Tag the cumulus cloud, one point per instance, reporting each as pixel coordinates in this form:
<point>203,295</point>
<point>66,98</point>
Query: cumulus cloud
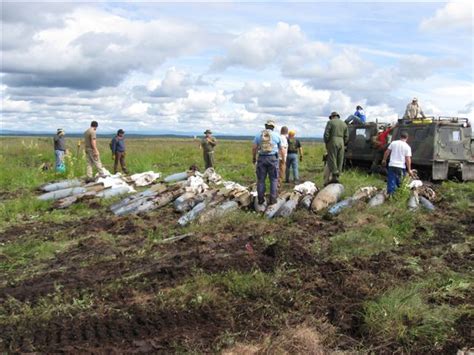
<point>94,48</point>
<point>260,46</point>
<point>455,14</point>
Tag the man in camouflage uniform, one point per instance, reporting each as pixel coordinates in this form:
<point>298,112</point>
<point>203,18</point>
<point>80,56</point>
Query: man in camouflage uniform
<point>336,135</point>
<point>207,144</point>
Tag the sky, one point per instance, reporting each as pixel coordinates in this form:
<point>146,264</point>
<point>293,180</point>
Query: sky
<point>183,67</point>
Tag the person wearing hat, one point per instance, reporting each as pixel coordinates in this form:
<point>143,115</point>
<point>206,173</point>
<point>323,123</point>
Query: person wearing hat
<point>92,152</point>
<point>336,135</point>
<point>267,145</point>
<point>358,117</point>
<point>208,144</point>
<point>117,145</point>
<point>294,147</point>
<point>59,149</point>
<point>413,111</point>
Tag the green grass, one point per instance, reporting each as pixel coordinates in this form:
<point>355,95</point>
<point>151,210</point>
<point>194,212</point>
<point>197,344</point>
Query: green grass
<point>212,289</point>
<point>377,230</point>
<point>17,254</point>
<point>57,304</point>
<point>412,313</point>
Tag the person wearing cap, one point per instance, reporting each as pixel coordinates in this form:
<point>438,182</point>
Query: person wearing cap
<point>358,117</point>
<point>413,111</point>
<point>336,135</point>
<point>59,149</point>
<point>92,152</point>
<point>117,145</point>
<point>294,147</point>
<point>267,145</point>
<point>208,143</point>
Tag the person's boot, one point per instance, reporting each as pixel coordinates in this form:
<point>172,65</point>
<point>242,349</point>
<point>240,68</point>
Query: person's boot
<point>272,201</point>
<point>335,179</point>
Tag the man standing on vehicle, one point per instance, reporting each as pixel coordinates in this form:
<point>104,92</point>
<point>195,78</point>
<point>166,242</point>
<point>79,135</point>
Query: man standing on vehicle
<point>413,110</point>
<point>59,150</point>
<point>400,162</point>
<point>118,151</point>
<point>336,135</point>
<point>207,144</point>
<point>92,153</point>
<point>268,146</point>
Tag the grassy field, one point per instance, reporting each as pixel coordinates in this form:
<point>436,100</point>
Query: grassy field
<point>369,280</point>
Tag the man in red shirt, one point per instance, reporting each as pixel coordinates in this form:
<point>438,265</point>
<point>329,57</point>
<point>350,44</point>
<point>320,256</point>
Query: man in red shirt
<point>380,143</point>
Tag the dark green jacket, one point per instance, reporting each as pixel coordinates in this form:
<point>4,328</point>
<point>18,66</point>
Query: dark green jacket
<point>336,131</point>
<point>208,145</point>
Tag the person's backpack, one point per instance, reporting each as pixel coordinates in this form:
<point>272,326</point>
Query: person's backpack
<point>266,144</point>
<point>292,145</point>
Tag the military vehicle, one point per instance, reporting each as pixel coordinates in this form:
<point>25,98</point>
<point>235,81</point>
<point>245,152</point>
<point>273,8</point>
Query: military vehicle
<point>442,147</point>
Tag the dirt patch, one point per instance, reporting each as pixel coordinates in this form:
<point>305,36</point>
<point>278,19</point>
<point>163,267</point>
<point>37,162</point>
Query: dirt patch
<point>311,288</point>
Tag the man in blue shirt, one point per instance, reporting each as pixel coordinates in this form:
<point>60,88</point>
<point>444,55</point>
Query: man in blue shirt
<point>358,117</point>
<point>118,151</point>
<point>268,146</point>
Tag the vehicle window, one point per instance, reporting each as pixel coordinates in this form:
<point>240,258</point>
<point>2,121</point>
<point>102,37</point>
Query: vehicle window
<point>363,132</point>
<point>456,136</point>
<point>450,135</point>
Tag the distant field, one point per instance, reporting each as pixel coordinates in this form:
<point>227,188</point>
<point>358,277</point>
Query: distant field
<point>379,280</point>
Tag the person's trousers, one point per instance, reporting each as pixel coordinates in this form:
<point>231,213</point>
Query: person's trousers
<point>292,163</point>
<point>59,154</point>
<point>267,165</point>
<point>209,159</point>
<point>92,162</point>
<point>335,159</point>
<point>394,179</point>
<point>282,167</point>
<point>327,176</point>
<point>353,119</point>
<point>120,158</point>
<point>376,166</point>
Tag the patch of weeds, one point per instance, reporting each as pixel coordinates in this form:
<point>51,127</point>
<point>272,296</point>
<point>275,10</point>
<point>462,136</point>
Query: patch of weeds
<point>408,316</point>
<point>269,240</point>
<point>460,196</point>
<point>369,240</point>
<point>19,254</point>
<point>14,210</point>
<point>247,285</point>
<point>59,304</point>
<point>195,293</point>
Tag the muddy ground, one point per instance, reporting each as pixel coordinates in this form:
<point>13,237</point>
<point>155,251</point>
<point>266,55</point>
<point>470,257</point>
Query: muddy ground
<point>126,275</point>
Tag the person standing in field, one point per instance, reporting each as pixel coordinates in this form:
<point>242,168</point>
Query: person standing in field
<point>117,145</point>
<point>336,135</point>
<point>267,145</point>
<point>294,147</point>
<point>60,150</point>
<point>92,152</point>
<point>283,156</point>
<point>400,162</point>
<point>208,144</point>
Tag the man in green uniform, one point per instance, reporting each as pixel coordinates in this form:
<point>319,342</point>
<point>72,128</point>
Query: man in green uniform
<point>336,136</point>
<point>207,144</point>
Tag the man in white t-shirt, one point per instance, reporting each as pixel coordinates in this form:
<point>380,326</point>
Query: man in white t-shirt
<point>400,162</point>
<point>284,153</point>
